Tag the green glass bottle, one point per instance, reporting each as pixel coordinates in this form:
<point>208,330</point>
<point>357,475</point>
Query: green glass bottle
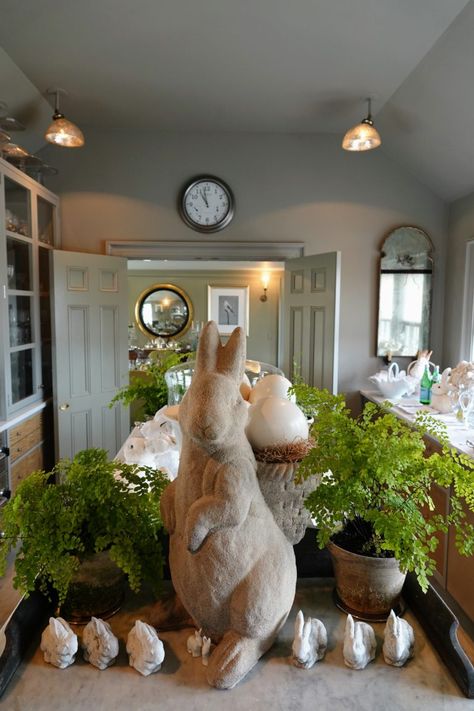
<point>425,387</point>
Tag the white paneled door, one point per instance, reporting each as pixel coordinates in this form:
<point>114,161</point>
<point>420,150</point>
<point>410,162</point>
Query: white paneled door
<point>310,319</point>
<point>91,354</point>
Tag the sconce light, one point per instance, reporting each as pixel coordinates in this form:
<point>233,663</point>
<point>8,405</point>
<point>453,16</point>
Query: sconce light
<point>62,132</point>
<point>265,283</point>
<point>364,136</point>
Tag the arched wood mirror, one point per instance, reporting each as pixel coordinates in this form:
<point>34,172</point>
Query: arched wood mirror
<point>405,289</point>
<point>163,311</point>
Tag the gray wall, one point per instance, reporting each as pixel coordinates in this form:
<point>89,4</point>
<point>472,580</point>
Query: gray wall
<point>124,186</point>
<point>461,231</point>
<point>262,343</point>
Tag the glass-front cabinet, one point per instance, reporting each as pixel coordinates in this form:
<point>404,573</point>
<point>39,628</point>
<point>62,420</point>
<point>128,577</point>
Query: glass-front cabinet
<point>28,232</point>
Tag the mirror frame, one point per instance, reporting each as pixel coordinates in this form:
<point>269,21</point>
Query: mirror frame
<point>430,253</point>
<point>158,287</point>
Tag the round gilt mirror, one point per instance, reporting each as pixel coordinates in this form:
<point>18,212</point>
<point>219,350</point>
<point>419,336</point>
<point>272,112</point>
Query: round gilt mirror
<point>163,311</point>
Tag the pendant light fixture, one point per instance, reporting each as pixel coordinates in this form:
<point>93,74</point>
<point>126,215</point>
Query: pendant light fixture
<point>62,132</point>
<point>364,136</point>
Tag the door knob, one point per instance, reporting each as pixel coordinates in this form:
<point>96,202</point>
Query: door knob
<point>64,407</point>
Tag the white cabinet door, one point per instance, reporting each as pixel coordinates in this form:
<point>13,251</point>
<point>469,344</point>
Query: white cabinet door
<point>90,296</point>
<point>310,319</point>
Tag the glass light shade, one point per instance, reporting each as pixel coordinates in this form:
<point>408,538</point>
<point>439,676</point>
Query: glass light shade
<point>12,150</point>
<point>363,137</point>
<point>64,133</point>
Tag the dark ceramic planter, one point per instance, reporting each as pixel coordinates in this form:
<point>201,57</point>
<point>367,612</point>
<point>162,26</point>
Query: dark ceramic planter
<point>97,589</point>
<point>367,588</point>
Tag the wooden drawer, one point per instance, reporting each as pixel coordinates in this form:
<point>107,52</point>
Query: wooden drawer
<point>25,428</point>
<point>27,442</point>
<point>26,466</point>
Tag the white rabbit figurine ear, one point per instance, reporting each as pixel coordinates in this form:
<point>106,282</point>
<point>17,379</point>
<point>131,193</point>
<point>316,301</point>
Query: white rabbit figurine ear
<point>398,641</point>
<point>206,650</point>
<point>59,643</point>
<point>299,623</point>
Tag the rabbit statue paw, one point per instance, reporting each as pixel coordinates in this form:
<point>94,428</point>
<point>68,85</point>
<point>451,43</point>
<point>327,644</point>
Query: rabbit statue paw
<point>359,644</point>
<point>101,646</point>
<point>398,641</point>
<point>145,649</point>
<point>310,642</point>
<point>59,643</point>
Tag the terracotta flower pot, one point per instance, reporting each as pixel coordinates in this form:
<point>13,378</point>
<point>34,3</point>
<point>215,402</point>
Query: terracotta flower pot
<point>366,587</point>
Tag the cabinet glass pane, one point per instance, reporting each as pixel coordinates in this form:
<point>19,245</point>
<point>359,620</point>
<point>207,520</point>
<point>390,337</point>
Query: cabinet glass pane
<point>21,375</point>
<point>19,320</point>
<point>45,221</point>
<point>18,265</point>
<point>17,208</point>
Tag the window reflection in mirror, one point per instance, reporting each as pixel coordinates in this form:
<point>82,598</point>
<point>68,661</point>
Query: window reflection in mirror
<point>163,311</point>
<point>406,270</point>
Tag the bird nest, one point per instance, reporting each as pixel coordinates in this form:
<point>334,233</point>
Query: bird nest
<point>284,453</point>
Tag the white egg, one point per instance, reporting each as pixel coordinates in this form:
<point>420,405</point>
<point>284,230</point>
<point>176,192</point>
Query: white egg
<point>271,385</point>
<point>274,421</point>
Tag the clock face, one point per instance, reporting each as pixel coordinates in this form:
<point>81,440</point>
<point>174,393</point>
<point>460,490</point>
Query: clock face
<point>207,204</point>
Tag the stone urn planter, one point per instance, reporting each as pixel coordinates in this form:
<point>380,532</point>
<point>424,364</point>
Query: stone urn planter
<point>366,587</point>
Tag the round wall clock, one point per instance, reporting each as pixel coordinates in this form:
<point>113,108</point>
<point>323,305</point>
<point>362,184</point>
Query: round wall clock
<point>206,204</point>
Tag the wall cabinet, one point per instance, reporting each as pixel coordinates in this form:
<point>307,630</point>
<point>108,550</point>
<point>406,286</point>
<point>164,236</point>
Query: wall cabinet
<point>29,229</point>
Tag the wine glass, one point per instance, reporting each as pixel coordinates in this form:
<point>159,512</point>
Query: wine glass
<point>466,403</point>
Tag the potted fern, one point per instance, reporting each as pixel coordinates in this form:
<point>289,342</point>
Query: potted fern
<point>79,536</point>
<point>373,507</point>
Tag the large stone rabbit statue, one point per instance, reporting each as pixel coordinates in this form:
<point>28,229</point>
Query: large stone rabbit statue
<point>231,565</point>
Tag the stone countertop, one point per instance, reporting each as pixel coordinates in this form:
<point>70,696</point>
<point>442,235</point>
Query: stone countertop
<point>424,683</point>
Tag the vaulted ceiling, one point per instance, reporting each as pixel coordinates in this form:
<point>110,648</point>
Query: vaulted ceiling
<point>303,66</point>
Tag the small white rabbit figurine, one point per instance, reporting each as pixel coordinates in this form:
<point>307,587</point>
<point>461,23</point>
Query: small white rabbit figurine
<point>101,646</point>
<point>206,650</point>
<point>359,644</point>
<point>145,648</point>
<point>398,641</point>
<point>310,642</point>
<point>59,643</point>
<point>194,643</point>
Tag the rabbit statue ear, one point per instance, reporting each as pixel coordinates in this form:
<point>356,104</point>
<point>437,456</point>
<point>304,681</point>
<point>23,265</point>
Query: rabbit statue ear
<point>307,628</point>
<point>231,358</point>
<point>209,343</point>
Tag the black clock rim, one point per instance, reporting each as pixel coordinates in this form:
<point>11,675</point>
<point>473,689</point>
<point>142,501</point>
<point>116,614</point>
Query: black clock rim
<point>196,226</point>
